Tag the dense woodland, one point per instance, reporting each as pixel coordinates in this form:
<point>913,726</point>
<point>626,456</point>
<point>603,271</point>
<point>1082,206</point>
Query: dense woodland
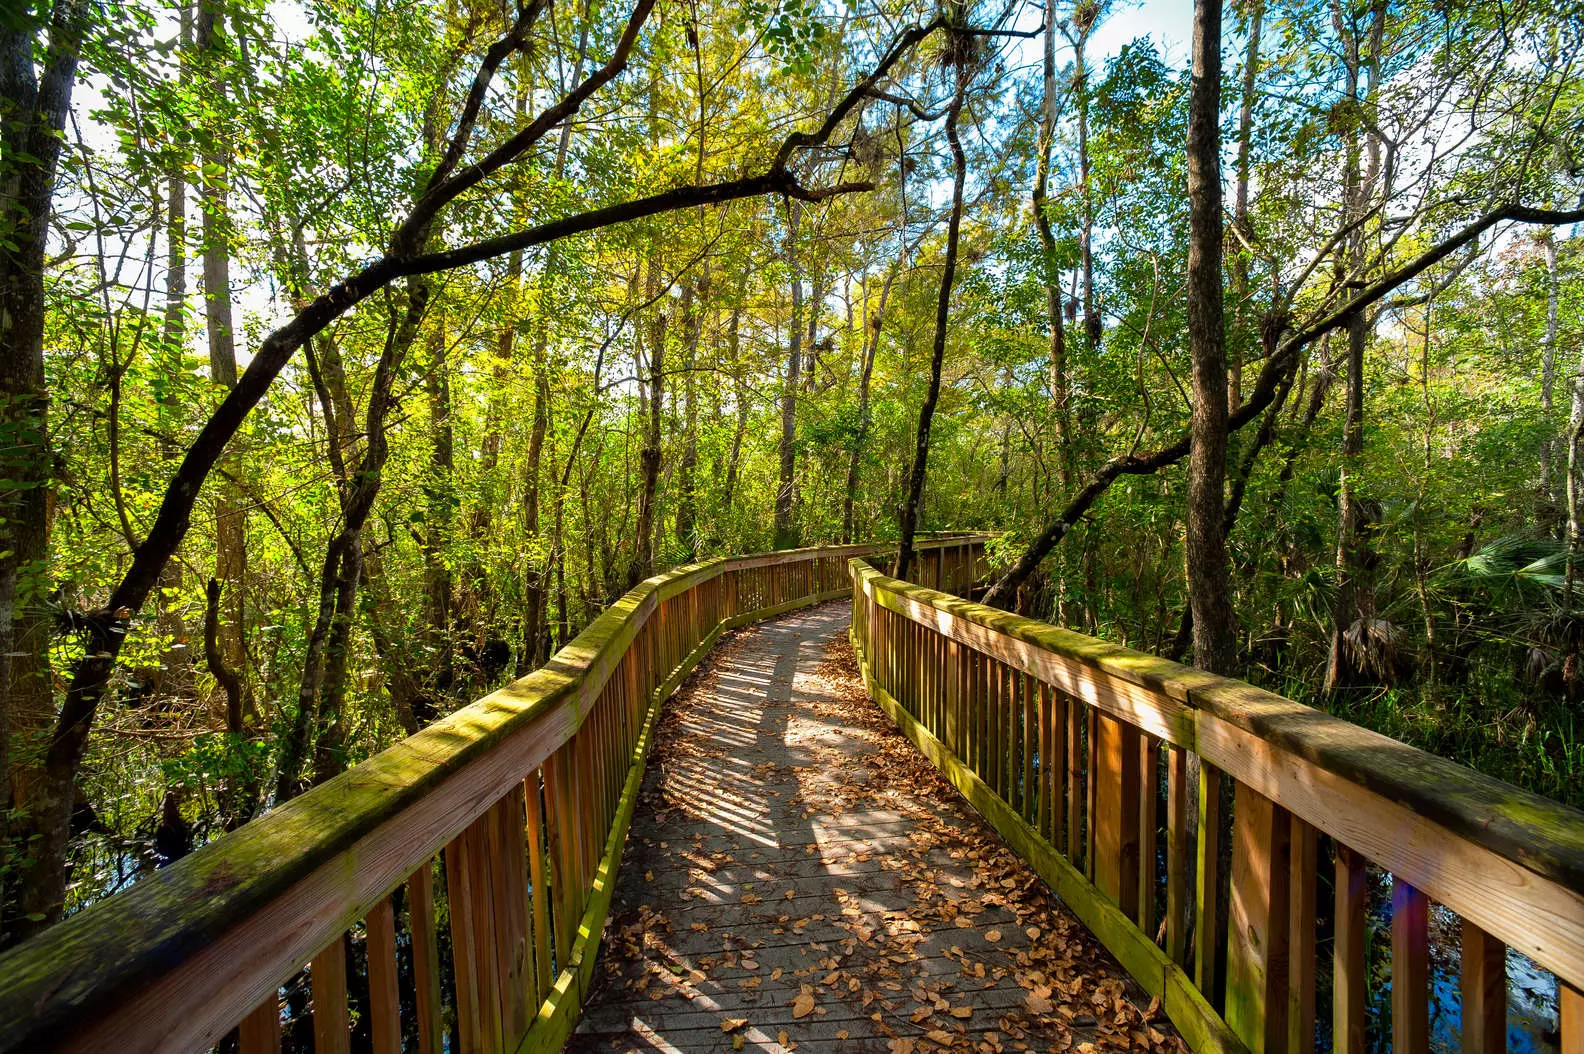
<point>355,354</point>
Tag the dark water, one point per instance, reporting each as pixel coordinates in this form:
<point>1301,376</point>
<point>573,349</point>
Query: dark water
<point>1532,1008</point>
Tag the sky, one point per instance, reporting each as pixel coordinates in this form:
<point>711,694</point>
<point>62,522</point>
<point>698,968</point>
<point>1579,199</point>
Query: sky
<point>1168,22</point>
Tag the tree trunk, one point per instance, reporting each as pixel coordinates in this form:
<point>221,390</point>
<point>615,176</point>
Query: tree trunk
<point>1346,664</point>
<point>915,492</point>
<point>871,348</point>
<point>1053,298</point>
<point>786,487</point>
<point>740,379</point>
<point>687,508</point>
<point>1209,586</point>
<point>1242,338</point>
<point>36,83</point>
<point>230,506</point>
<point>1548,498</point>
<point>316,725</point>
<point>1092,325</point>
<point>649,460</point>
<point>439,515</point>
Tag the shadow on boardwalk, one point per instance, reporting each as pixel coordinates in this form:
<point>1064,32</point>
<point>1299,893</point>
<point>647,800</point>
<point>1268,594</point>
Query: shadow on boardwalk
<point>799,877</point>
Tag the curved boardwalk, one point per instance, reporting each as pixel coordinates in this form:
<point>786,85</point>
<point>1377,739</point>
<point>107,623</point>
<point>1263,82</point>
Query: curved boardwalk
<point>799,877</point>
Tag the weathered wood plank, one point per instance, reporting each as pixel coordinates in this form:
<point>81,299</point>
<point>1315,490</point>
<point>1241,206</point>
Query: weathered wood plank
<point>1259,922</point>
<point>1177,853</point>
<point>327,977</point>
<point>384,996</point>
<point>1483,983</point>
<point>1410,969</point>
<point>1115,817</point>
<point>1301,938</point>
<point>260,1031</point>
<point>1208,940</point>
<point>1349,985</point>
<point>1572,1014</point>
<point>426,956</point>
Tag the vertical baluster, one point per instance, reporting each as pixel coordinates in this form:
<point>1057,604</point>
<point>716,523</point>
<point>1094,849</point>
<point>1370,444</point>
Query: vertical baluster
<point>1115,815</point>
<point>384,998</point>
<point>984,710</point>
<point>516,969</point>
<point>1177,852</point>
<point>260,1031</point>
<point>1090,783</point>
<point>1149,795</point>
<point>1207,880</point>
<point>1075,798</point>
<point>1410,969</point>
<point>1012,723</point>
<point>558,826</point>
<point>583,776</point>
<point>1056,775</point>
<point>1483,982</point>
<point>1028,783</point>
<point>1349,985</point>
<point>1047,739</point>
<point>426,956</point>
<point>1259,922</point>
<point>995,763</point>
<point>1011,715</point>
<point>328,980</point>
<point>1572,1013</point>
<point>540,902</point>
<point>1301,939</point>
<point>464,950</point>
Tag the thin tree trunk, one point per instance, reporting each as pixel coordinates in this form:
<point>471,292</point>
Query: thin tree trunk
<point>915,492</point>
<point>1548,498</point>
<point>687,503</point>
<point>871,348</point>
<point>1209,584</point>
<point>1242,338</point>
<point>439,516</point>
<point>1085,19</point>
<point>740,379</point>
<point>36,80</point>
<point>786,484</point>
<point>1053,297</point>
<point>1345,663</point>
<point>230,506</point>
<point>649,459</point>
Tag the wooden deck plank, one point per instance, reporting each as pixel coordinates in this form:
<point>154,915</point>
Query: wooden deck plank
<point>774,774</point>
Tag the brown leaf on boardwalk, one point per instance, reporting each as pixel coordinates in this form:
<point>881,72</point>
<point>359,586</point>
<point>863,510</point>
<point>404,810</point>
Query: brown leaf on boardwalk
<point>803,1005</point>
<point>732,1024</point>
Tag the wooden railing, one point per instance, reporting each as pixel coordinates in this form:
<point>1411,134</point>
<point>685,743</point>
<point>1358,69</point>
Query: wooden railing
<point>1060,740</point>
<point>499,828</point>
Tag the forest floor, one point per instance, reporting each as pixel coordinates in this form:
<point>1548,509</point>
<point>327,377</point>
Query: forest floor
<point>798,876</point>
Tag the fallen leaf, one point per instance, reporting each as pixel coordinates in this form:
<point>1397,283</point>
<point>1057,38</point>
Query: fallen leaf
<point>992,935</point>
<point>803,1006</point>
<point>732,1024</point>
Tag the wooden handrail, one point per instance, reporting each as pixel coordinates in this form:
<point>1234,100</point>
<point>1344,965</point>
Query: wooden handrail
<point>525,794</point>
<point>1059,739</point>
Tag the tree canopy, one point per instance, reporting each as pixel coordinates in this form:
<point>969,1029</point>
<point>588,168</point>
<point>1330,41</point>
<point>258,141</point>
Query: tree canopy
<point>354,355</point>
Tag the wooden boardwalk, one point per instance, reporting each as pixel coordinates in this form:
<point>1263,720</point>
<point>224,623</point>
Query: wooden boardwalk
<point>798,876</point>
